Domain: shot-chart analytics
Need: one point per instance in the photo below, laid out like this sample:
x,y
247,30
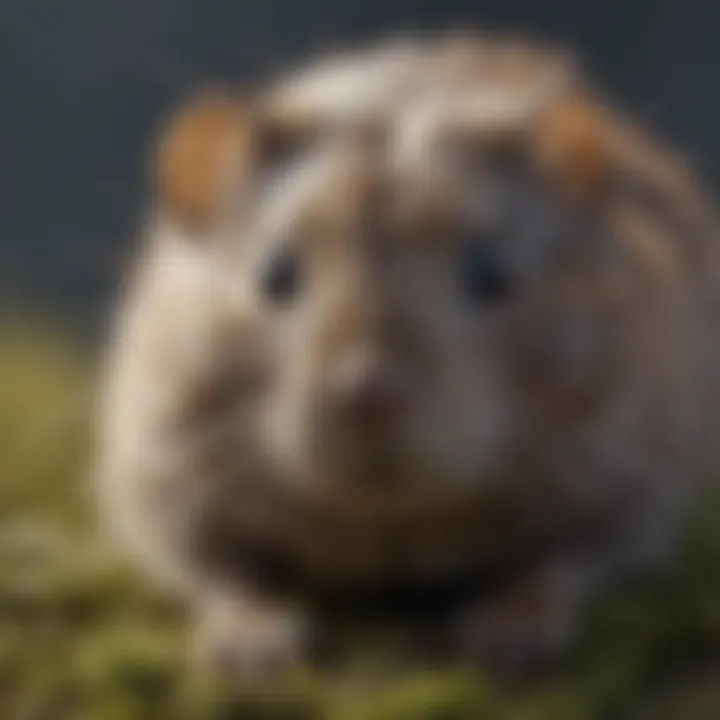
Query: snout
x,y
371,395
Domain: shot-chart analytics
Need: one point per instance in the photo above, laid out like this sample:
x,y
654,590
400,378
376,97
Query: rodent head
x,y
427,311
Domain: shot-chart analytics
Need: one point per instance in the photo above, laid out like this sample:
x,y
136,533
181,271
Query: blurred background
x,y
83,85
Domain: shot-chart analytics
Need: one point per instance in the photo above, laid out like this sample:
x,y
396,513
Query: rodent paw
x,y
251,643
516,633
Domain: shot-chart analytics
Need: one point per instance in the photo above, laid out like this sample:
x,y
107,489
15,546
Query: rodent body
x,y
467,330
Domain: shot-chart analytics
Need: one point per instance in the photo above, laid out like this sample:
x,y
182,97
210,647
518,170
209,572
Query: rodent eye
x,y
282,278
484,278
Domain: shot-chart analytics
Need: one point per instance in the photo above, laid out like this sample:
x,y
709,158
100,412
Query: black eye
x,y
484,278
282,280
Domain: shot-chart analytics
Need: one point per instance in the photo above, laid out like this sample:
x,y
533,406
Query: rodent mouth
x,y
374,466
380,471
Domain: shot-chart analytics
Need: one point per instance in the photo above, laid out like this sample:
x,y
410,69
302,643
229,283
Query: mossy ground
x,y
81,637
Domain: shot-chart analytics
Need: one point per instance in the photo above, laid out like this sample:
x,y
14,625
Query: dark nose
x,y
373,398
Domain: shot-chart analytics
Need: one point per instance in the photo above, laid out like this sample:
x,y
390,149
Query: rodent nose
x,y
372,396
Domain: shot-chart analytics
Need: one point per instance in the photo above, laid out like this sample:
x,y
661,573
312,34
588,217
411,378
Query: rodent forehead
x,y
353,190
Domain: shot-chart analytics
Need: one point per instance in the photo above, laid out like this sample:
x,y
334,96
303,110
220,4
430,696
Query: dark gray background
x,y
83,83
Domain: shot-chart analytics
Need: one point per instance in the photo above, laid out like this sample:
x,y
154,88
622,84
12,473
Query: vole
x,y
426,315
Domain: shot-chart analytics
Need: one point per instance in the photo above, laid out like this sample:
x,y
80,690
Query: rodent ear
x,y
572,144
206,154
212,148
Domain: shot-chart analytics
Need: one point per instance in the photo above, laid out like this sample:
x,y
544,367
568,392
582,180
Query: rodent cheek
x,y
564,357
294,405
286,400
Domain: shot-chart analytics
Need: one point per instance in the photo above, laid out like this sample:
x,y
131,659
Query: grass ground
x,y
81,637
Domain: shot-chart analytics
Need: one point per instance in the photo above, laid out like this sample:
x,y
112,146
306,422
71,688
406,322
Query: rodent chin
x,y
383,476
